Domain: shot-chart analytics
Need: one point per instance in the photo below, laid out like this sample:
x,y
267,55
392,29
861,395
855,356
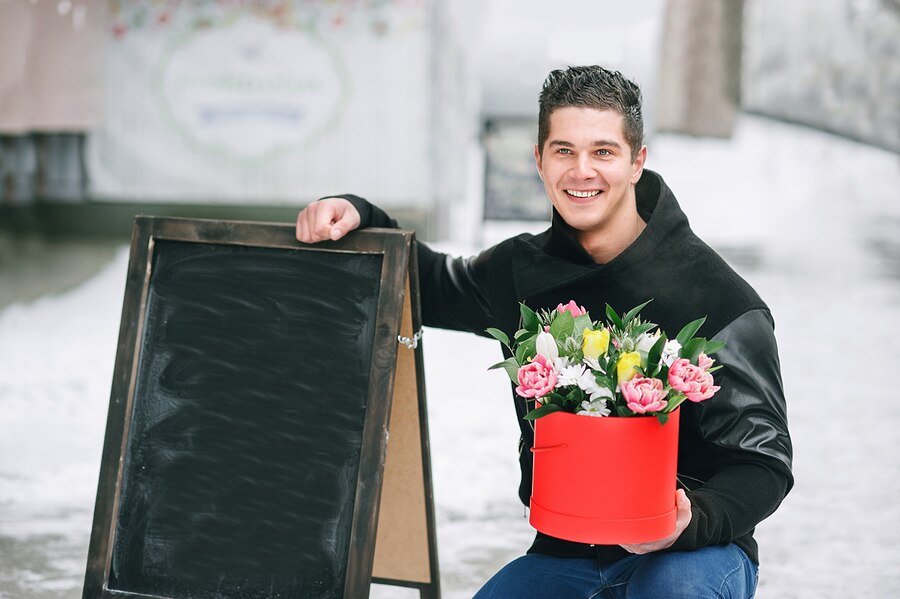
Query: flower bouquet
x,y
605,480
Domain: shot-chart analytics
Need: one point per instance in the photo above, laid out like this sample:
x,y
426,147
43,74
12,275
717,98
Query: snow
x,y
811,220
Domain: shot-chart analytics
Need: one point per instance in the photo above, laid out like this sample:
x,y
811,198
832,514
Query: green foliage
x,y
498,335
562,326
525,351
688,331
542,411
510,366
529,319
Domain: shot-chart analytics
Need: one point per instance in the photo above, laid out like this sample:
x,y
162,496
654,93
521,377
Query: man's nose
x,y
584,167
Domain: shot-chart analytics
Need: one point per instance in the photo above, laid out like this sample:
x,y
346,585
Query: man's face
x,y
588,172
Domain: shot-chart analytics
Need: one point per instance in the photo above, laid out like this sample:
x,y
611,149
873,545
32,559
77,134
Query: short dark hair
x,y
592,87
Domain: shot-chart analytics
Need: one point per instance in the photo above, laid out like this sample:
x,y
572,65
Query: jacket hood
x,y
656,204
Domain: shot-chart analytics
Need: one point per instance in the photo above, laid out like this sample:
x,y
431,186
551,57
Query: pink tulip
x,y
705,362
572,307
537,378
643,395
693,381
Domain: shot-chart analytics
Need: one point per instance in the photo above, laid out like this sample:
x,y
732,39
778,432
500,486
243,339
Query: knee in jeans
x,y
714,573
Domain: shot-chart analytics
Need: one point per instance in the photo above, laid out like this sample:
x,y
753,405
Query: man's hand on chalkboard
x,y
329,218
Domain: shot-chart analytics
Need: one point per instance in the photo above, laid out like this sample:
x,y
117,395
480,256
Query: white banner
x,y
265,102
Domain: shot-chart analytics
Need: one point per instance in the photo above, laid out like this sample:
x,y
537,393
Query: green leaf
x,y
613,317
675,401
522,333
541,411
663,373
623,411
654,354
525,350
529,319
562,326
641,329
662,417
692,349
581,323
635,311
510,366
498,335
604,381
688,331
712,346
526,338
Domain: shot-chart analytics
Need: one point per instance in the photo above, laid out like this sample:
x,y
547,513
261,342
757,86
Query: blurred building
x,y
267,104
252,108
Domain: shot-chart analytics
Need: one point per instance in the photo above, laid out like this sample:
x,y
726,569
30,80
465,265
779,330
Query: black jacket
x,y
734,449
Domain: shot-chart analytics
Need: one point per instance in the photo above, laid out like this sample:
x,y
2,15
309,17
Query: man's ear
x,y
637,167
537,161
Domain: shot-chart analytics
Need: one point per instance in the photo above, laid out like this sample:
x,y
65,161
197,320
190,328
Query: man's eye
x,y
565,151
603,152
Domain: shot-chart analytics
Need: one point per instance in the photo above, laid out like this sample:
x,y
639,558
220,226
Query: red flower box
x,y
604,480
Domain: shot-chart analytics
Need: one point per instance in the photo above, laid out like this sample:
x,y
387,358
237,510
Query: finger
x,y
348,221
684,514
641,548
345,219
304,221
302,230
322,220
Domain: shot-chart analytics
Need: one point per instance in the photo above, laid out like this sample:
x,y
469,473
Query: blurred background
x,y
776,124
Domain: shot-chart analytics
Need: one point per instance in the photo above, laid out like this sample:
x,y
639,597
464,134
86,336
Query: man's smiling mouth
x,y
582,194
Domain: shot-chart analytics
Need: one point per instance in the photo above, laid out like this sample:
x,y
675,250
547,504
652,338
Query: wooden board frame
x,y
398,298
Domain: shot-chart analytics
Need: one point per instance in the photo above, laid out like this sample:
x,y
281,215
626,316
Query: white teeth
x,y
582,194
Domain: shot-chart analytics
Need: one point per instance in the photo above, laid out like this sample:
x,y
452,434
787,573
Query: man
x,y
618,236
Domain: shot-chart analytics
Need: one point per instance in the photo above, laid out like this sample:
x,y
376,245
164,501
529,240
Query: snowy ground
x,y
811,220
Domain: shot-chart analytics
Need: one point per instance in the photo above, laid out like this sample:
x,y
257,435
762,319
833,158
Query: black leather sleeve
x,y
745,428
452,288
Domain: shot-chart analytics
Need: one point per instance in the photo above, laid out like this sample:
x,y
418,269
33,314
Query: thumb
x,y
344,219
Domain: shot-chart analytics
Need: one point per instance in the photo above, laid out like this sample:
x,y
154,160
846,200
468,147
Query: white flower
x,y
594,364
574,374
670,352
594,408
646,341
561,362
599,392
545,344
578,375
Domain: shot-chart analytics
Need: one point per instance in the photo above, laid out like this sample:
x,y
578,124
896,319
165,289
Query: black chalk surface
x,y
243,452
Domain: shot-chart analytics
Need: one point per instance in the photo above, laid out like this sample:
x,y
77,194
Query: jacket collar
x,y
554,257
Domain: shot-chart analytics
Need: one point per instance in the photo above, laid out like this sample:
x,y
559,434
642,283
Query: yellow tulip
x,y
625,366
595,343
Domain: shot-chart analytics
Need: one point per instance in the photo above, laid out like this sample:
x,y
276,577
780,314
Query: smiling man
x,y
619,237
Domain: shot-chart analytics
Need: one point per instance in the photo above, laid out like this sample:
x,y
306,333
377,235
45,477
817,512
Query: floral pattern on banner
x,y
380,18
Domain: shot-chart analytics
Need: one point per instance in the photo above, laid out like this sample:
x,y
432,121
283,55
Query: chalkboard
x,y
248,425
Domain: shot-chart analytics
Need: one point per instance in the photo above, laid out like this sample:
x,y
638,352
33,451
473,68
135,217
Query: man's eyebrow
x,y
597,144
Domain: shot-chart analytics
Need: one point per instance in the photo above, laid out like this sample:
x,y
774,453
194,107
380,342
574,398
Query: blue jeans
x,y
712,572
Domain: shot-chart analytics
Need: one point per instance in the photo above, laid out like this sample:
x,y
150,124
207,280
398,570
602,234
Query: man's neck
x,y
604,246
